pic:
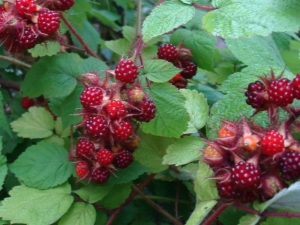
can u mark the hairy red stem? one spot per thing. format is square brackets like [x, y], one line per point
[204, 7]
[215, 214]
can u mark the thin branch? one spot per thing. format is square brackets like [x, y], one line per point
[164, 199]
[157, 207]
[10, 84]
[128, 200]
[79, 38]
[204, 7]
[73, 47]
[246, 208]
[281, 214]
[15, 61]
[215, 214]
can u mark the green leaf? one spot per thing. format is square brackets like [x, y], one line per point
[59, 129]
[51, 76]
[197, 107]
[55, 139]
[120, 46]
[151, 151]
[106, 17]
[3, 121]
[292, 60]
[171, 119]
[231, 215]
[282, 40]
[249, 51]
[281, 221]
[249, 219]
[3, 166]
[46, 49]
[160, 70]
[183, 151]
[125, 175]
[161, 21]
[205, 188]
[92, 64]
[200, 212]
[43, 165]
[116, 196]
[201, 44]
[187, 172]
[244, 18]
[36, 123]
[93, 192]
[47, 206]
[79, 213]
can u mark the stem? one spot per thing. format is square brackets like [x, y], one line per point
[128, 200]
[73, 47]
[246, 209]
[79, 38]
[216, 213]
[139, 17]
[157, 207]
[204, 7]
[281, 214]
[10, 84]
[15, 61]
[158, 198]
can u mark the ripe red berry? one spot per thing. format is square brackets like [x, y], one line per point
[105, 157]
[62, 5]
[123, 130]
[281, 92]
[189, 69]
[48, 21]
[82, 169]
[100, 175]
[296, 83]
[148, 110]
[123, 159]
[227, 190]
[27, 102]
[245, 175]
[167, 52]
[84, 148]
[116, 109]
[91, 97]
[96, 126]
[254, 95]
[26, 7]
[27, 39]
[126, 71]
[12, 45]
[272, 143]
[290, 165]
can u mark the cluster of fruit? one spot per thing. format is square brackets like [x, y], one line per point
[251, 162]
[181, 58]
[25, 23]
[109, 111]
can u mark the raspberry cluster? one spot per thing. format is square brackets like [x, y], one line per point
[110, 110]
[180, 57]
[25, 23]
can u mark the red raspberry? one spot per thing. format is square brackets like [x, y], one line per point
[105, 157]
[254, 93]
[48, 21]
[12, 45]
[82, 169]
[148, 110]
[26, 6]
[116, 109]
[123, 159]
[245, 175]
[100, 175]
[91, 97]
[126, 71]
[167, 52]
[27, 38]
[296, 83]
[27, 102]
[123, 130]
[272, 143]
[62, 5]
[290, 165]
[85, 148]
[226, 190]
[189, 69]
[281, 92]
[96, 126]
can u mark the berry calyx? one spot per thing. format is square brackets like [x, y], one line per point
[212, 156]
[84, 148]
[167, 52]
[116, 109]
[105, 157]
[126, 71]
[281, 92]
[26, 6]
[82, 169]
[91, 97]
[272, 143]
[100, 175]
[96, 126]
[27, 102]
[48, 21]
[296, 84]
[189, 69]
[290, 165]
[148, 110]
[123, 130]
[245, 175]
[227, 130]
[254, 95]
[123, 159]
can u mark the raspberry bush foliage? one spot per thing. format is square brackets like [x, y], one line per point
[149, 112]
